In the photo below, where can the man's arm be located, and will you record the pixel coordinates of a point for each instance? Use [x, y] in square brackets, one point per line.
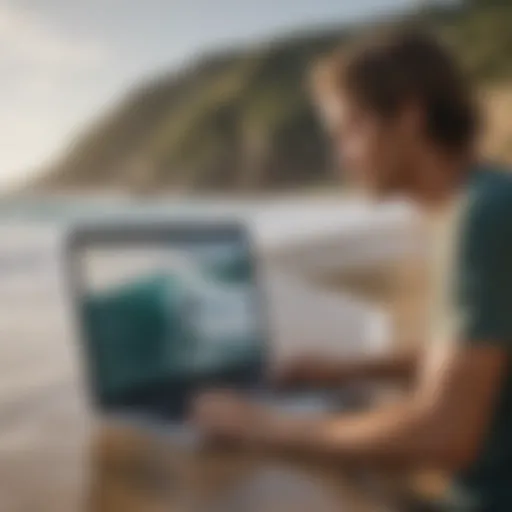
[441, 425]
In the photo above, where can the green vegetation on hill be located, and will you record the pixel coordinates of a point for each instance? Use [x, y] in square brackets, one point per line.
[243, 121]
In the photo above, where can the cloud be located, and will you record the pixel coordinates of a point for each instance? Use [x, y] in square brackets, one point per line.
[25, 36]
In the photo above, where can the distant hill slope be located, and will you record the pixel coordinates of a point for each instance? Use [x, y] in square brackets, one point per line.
[242, 121]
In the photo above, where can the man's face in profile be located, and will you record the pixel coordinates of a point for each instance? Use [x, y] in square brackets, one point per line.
[373, 151]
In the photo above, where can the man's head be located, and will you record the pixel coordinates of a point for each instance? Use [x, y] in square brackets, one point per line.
[389, 102]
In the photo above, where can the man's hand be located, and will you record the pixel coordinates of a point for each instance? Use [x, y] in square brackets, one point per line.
[228, 417]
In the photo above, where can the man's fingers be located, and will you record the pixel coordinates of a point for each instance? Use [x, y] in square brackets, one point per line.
[212, 408]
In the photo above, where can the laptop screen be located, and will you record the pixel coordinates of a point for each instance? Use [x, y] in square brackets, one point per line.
[165, 312]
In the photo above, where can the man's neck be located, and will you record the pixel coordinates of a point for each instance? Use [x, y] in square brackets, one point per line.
[438, 178]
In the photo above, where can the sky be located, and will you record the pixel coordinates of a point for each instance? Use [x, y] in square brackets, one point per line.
[62, 62]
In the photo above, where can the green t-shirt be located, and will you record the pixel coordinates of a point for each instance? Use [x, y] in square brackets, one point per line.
[480, 292]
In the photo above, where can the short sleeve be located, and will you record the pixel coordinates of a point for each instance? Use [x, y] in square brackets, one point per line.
[483, 276]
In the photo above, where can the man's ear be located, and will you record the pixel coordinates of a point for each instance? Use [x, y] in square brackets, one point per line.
[413, 121]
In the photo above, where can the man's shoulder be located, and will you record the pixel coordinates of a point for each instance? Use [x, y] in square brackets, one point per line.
[484, 257]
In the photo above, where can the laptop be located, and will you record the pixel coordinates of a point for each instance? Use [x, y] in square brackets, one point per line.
[167, 310]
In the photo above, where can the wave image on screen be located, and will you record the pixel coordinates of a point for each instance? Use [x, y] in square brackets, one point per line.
[162, 322]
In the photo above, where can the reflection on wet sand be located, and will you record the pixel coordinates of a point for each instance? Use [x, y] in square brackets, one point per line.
[68, 466]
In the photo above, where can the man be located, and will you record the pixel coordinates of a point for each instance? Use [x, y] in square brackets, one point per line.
[403, 119]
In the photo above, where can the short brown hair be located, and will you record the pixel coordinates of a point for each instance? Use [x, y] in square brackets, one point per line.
[388, 71]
